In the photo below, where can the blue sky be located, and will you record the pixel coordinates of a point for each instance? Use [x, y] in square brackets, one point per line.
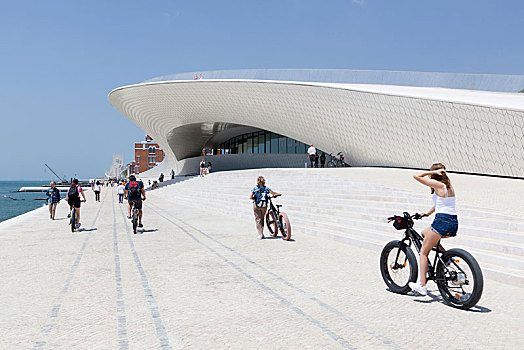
[60, 59]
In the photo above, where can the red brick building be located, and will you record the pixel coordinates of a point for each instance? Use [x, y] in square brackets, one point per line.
[147, 155]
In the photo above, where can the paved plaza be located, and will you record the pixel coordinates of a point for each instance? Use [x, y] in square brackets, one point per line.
[199, 279]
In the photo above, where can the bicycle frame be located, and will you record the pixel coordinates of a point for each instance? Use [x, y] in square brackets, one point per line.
[276, 211]
[413, 237]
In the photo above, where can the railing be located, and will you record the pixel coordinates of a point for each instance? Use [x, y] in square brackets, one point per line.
[484, 82]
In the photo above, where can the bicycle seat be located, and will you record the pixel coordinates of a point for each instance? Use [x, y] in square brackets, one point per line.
[279, 205]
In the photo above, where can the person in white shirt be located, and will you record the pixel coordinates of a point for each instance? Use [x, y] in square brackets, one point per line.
[97, 188]
[120, 191]
[312, 151]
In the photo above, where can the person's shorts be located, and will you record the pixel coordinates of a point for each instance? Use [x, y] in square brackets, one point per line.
[138, 202]
[74, 202]
[445, 225]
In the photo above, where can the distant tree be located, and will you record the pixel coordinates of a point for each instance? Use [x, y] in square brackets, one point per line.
[522, 91]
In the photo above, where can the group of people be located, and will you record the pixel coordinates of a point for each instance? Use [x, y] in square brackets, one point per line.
[197, 77]
[444, 225]
[205, 168]
[314, 157]
[133, 191]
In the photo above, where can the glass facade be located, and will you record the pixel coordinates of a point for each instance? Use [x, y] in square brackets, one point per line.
[260, 142]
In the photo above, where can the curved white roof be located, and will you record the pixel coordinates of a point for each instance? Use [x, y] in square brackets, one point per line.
[385, 125]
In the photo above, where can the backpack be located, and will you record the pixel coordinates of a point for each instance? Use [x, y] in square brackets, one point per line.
[133, 189]
[260, 196]
[72, 193]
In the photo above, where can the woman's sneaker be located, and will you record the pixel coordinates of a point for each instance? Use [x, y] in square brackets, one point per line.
[416, 287]
[260, 236]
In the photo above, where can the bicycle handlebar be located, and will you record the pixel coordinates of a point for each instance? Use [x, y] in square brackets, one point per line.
[416, 216]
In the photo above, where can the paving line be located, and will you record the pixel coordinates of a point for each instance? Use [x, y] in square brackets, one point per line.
[53, 315]
[339, 339]
[161, 332]
[123, 342]
[324, 305]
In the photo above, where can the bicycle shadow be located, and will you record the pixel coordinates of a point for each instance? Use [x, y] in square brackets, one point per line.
[86, 229]
[438, 298]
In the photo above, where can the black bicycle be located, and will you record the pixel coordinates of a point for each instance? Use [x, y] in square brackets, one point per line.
[276, 220]
[455, 271]
[134, 216]
[336, 161]
[72, 218]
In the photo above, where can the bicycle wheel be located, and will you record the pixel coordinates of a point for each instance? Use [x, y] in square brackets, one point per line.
[398, 266]
[331, 165]
[286, 227]
[135, 221]
[459, 279]
[72, 220]
[271, 222]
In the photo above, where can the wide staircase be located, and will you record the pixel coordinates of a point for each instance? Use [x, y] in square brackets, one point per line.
[351, 212]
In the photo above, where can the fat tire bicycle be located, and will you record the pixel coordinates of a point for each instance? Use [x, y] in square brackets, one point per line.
[455, 271]
[276, 220]
[336, 161]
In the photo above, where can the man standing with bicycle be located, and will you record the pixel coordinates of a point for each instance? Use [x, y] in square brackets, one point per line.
[73, 199]
[134, 192]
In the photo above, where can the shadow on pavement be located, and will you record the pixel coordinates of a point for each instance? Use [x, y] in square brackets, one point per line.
[278, 237]
[87, 229]
[439, 299]
[148, 230]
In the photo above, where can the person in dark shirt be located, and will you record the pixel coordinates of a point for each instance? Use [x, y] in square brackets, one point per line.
[323, 160]
[53, 198]
[134, 193]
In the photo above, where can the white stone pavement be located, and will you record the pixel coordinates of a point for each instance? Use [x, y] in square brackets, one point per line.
[195, 279]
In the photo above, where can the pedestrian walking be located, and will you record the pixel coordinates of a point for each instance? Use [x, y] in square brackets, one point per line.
[161, 177]
[259, 197]
[316, 160]
[311, 151]
[202, 167]
[97, 189]
[172, 174]
[201, 76]
[209, 167]
[195, 77]
[53, 198]
[323, 160]
[120, 191]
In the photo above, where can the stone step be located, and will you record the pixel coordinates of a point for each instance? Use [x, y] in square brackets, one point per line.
[385, 197]
[473, 210]
[499, 267]
[339, 206]
[379, 231]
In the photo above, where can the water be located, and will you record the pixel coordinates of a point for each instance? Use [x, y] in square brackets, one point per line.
[26, 200]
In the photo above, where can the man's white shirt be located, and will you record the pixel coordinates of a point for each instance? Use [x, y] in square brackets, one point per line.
[311, 150]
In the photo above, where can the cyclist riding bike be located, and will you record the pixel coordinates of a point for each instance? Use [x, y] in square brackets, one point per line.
[73, 199]
[445, 223]
[134, 192]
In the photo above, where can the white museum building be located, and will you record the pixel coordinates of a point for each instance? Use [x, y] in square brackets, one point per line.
[473, 123]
